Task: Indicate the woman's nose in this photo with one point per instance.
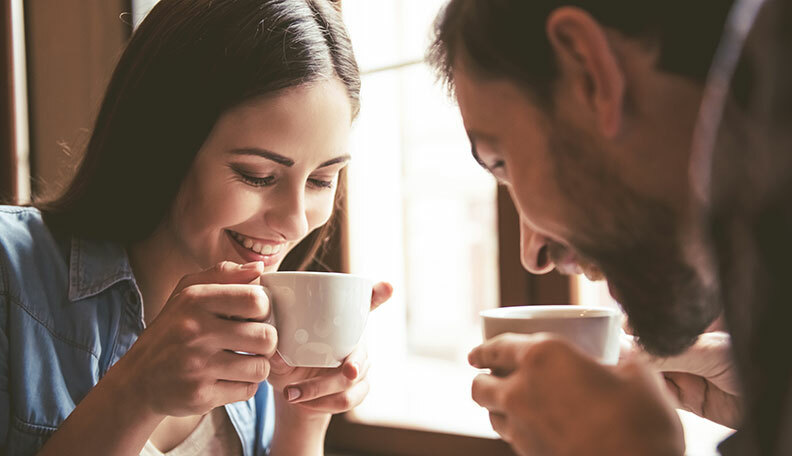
(534, 251)
(286, 212)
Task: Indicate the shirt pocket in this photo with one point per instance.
(25, 439)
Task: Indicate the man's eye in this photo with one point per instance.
(498, 169)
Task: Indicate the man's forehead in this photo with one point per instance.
(485, 101)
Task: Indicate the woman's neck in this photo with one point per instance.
(158, 265)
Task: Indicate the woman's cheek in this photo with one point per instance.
(235, 208)
(320, 210)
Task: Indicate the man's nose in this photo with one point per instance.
(534, 251)
(286, 214)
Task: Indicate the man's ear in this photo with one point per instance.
(584, 54)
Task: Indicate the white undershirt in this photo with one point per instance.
(214, 435)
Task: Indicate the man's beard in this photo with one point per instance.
(635, 242)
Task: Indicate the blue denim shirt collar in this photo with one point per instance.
(95, 266)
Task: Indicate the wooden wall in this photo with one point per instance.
(72, 47)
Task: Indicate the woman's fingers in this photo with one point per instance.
(225, 392)
(380, 293)
(317, 387)
(223, 272)
(325, 385)
(352, 364)
(279, 366)
(242, 302)
(245, 336)
(339, 402)
(235, 367)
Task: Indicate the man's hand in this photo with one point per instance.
(702, 379)
(547, 398)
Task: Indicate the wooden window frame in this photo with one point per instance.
(8, 151)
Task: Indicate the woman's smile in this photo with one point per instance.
(252, 249)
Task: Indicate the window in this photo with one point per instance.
(422, 214)
(140, 8)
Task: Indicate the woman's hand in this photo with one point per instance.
(328, 391)
(306, 397)
(702, 379)
(185, 362)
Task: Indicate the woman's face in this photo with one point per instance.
(265, 177)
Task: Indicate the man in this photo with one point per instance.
(586, 111)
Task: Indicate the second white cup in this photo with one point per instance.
(593, 330)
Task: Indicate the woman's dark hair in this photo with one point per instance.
(508, 38)
(187, 63)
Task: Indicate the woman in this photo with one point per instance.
(218, 148)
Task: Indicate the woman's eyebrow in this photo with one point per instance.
(269, 155)
(341, 159)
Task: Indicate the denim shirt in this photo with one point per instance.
(69, 309)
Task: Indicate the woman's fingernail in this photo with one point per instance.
(251, 266)
(292, 394)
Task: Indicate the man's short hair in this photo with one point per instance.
(507, 38)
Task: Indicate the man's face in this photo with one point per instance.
(582, 212)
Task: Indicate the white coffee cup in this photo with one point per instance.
(320, 316)
(593, 330)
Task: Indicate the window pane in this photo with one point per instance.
(140, 8)
(422, 215)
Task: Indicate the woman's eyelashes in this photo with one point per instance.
(321, 183)
(249, 178)
(257, 181)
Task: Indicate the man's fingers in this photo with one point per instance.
(502, 353)
(223, 272)
(500, 424)
(487, 391)
(380, 293)
(710, 358)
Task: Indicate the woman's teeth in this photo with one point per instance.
(255, 246)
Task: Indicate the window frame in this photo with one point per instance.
(8, 102)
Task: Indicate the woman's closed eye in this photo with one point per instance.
(250, 179)
(316, 182)
(322, 183)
